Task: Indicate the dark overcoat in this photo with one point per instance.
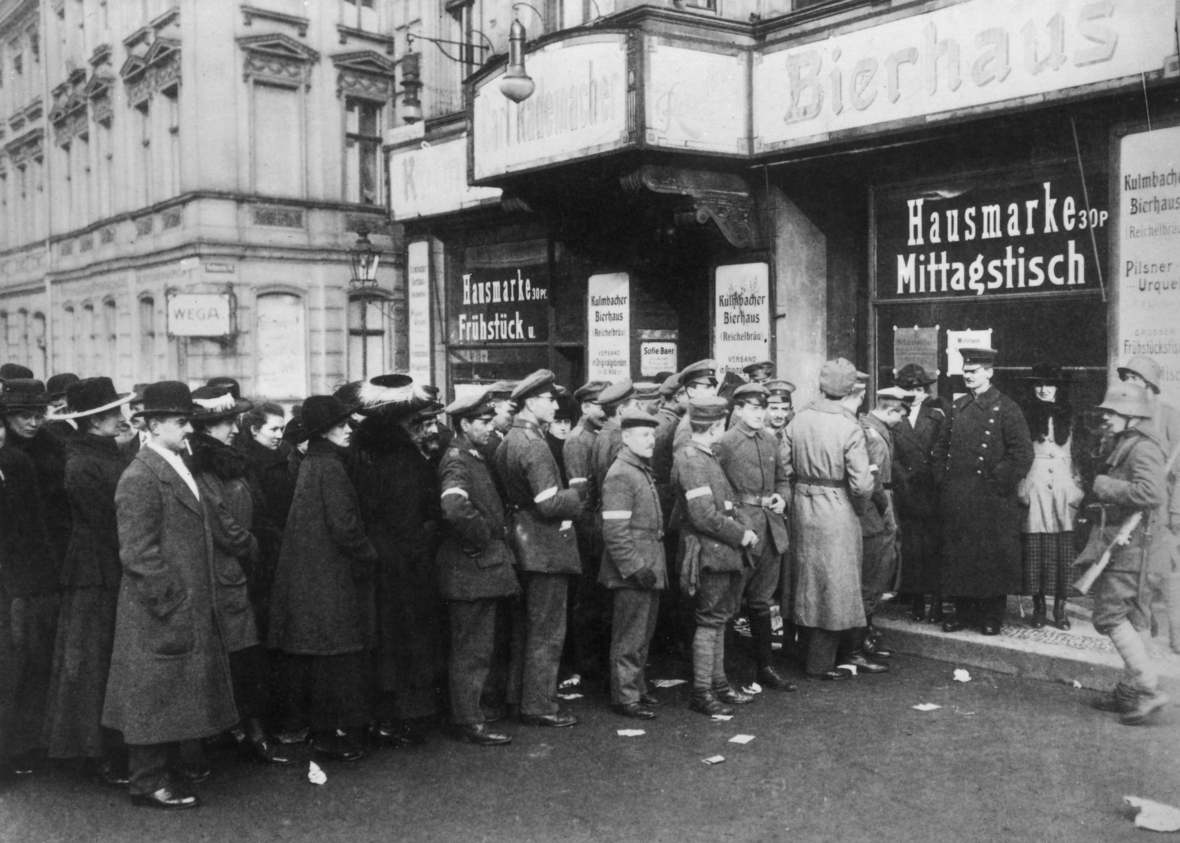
(474, 560)
(322, 602)
(26, 560)
(93, 467)
(982, 453)
(607, 445)
(916, 497)
(170, 678)
(578, 456)
(632, 524)
(661, 458)
(48, 453)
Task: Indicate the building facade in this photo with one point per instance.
(889, 182)
(181, 183)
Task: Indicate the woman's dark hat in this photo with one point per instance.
(166, 398)
(25, 394)
(15, 371)
(321, 413)
(91, 396)
(912, 376)
(394, 395)
(217, 403)
(293, 432)
(57, 385)
(225, 382)
(1049, 372)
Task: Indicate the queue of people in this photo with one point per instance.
(345, 579)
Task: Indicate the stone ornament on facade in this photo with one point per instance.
(156, 70)
(365, 74)
(721, 197)
(278, 59)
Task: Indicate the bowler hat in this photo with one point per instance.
(217, 403)
(1050, 372)
(912, 375)
(166, 398)
(1145, 368)
(91, 396)
(15, 371)
(57, 385)
(25, 394)
(837, 377)
(226, 382)
(1127, 399)
(321, 413)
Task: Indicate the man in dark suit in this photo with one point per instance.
(170, 683)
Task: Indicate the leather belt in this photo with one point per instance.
(842, 483)
(753, 500)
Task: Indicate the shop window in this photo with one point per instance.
(370, 337)
(278, 141)
(281, 347)
(147, 339)
(362, 151)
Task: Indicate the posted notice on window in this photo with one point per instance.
(741, 316)
(609, 326)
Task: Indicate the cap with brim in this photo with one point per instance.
(895, 392)
(754, 367)
(708, 408)
(91, 396)
(779, 391)
(671, 386)
(837, 377)
(1145, 368)
(590, 391)
(647, 391)
(57, 385)
(503, 390)
(217, 403)
(978, 356)
(166, 398)
(862, 377)
(637, 418)
(752, 393)
(474, 405)
(293, 432)
(617, 392)
(321, 413)
(25, 394)
(702, 370)
(1127, 399)
(538, 383)
(912, 376)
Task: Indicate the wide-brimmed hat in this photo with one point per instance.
(913, 375)
(166, 398)
(1145, 368)
(321, 413)
(217, 403)
(226, 382)
(392, 395)
(25, 394)
(1127, 399)
(57, 385)
(91, 396)
(1049, 372)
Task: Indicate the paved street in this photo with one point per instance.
(1003, 759)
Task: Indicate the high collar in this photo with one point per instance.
(527, 424)
(746, 429)
(627, 456)
(321, 447)
(988, 394)
(827, 405)
(464, 444)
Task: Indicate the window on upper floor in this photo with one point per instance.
(359, 14)
(35, 45)
(363, 173)
(145, 172)
(110, 336)
(40, 345)
(172, 100)
(147, 340)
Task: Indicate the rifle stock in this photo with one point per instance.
(1086, 581)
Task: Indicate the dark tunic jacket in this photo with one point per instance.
(632, 524)
(982, 454)
(913, 464)
(753, 462)
(474, 560)
(93, 467)
(1133, 481)
(704, 510)
(661, 458)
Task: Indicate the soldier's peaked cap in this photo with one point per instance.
(702, 370)
(708, 408)
(590, 391)
(979, 356)
(753, 393)
(638, 418)
(538, 383)
(617, 392)
(472, 406)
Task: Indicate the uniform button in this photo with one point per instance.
(981, 458)
(1050, 471)
(979, 472)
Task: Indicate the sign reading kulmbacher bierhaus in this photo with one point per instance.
(987, 237)
(494, 306)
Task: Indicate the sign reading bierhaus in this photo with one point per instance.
(499, 306)
(988, 237)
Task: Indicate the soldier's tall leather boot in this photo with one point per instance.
(761, 629)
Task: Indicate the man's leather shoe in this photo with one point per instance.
(166, 797)
(335, 747)
(292, 737)
(955, 623)
(634, 710)
(874, 649)
(730, 695)
(1119, 701)
(560, 720)
(651, 701)
(113, 773)
(830, 675)
(864, 664)
(707, 703)
(479, 733)
(190, 775)
(495, 714)
(265, 751)
(990, 627)
(771, 678)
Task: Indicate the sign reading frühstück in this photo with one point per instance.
(497, 306)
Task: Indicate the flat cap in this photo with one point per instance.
(702, 370)
(912, 376)
(837, 377)
(538, 383)
(671, 386)
(474, 405)
(752, 393)
(590, 391)
(638, 418)
(761, 364)
(647, 391)
(978, 356)
(708, 408)
(779, 391)
(617, 392)
(502, 390)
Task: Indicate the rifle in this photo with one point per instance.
(1122, 537)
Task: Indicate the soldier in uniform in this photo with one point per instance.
(915, 495)
(615, 400)
(1132, 482)
(500, 394)
(982, 454)
(700, 381)
(711, 557)
(759, 372)
(673, 403)
(826, 453)
(648, 397)
(633, 566)
(749, 455)
(546, 549)
(779, 407)
(475, 565)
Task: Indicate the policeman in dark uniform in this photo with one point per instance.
(750, 456)
(546, 548)
(632, 563)
(759, 372)
(711, 561)
(982, 454)
(475, 564)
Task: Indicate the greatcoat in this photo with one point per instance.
(170, 678)
(916, 499)
(982, 454)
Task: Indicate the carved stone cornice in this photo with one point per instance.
(26, 147)
(348, 33)
(365, 73)
(278, 59)
(721, 198)
(156, 70)
(299, 23)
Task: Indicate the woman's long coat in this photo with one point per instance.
(825, 448)
(170, 677)
(322, 603)
(916, 498)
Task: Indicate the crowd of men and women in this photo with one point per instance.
(346, 578)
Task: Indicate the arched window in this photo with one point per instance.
(88, 332)
(280, 346)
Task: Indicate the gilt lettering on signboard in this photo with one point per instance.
(496, 306)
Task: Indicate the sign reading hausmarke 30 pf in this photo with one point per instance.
(502, 306)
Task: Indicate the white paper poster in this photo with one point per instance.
(418, 282)
(609, 326)
(958, 340)
(656, 357)
(741, 316)
(1148, 266)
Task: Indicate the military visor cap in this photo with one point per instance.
(539, 382)
(702, 370)
(589, 391)
(751, 368)
(1127, 399)
(472, 406)
(779, 391)
(647, 391)
(670, 386)
(751, 393)
(638, 418)
(979, 356)
(895, 392)
(502, 390)
(617, 392)
(708, 408)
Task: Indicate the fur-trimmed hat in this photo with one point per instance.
(393, 395)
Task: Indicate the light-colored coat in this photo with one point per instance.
(825, 442)
(169, 677)
(1051, 490)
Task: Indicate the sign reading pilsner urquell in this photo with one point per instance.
(984, 237)
(501, 305)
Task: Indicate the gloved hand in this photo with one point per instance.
(644, 578)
